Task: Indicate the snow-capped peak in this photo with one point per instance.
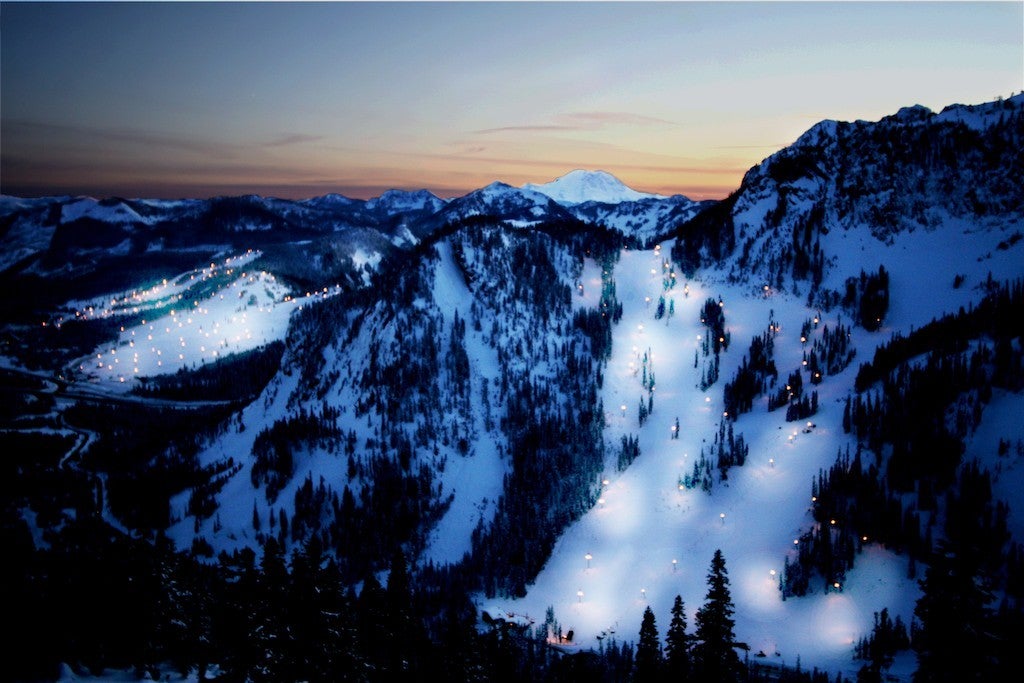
(577, 187)
(329, 201)
(395, 201)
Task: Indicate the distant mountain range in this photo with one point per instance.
(471, 382)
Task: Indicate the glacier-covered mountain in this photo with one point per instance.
(580, 186)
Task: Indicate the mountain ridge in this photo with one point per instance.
(478, 391)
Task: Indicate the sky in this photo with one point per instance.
(301, 99)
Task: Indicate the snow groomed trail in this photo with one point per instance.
(648, 539)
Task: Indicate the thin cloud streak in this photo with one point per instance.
(294, 139)
(17, 128)
(540, 128)
(618, 117)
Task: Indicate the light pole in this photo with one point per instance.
(588, 558)
(579, 596)
(674, 563)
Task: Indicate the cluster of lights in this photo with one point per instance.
(147, 349)
(158, 295)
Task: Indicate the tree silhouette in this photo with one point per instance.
(714, 654)
(648, 650)
(677, 644)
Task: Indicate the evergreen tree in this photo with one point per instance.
(372, 623)
(714, 652)
(953, 641)
(648, 650)
(406, 634)
(677, 644)
(270, 633)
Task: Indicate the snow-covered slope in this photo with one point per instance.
(644, 220)
(579, 186)
(196, 318)
(424, 387)
(914, 171)
(649, 538)
(532, 403)
(400, 201)
(521, 206)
